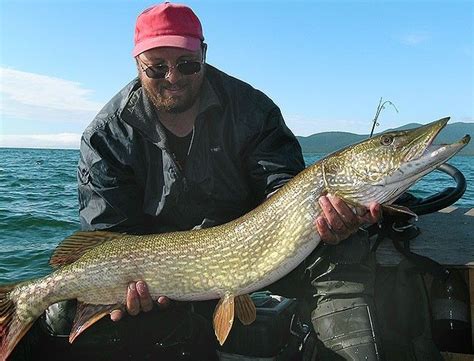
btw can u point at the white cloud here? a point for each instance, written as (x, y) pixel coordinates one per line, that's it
(464, 119)
(53, 141)
(43, 98)
(415, 38)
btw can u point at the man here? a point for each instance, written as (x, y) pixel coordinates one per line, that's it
(187, 146)
(178, 110)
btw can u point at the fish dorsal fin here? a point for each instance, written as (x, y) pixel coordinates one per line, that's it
(245, 309)
(224, 317)
(87, 315)
(73, 247)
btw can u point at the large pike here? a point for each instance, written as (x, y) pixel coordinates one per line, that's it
(226, 262)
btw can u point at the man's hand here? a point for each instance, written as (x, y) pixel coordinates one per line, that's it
(339, 221)
(139, 300)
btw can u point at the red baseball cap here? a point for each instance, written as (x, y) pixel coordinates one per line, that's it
(167, 24)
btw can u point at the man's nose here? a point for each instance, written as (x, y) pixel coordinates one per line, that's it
(173, 74)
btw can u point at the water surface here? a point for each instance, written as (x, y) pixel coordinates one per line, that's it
(38, 204)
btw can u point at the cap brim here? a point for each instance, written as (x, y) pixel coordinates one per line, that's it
(174, 41)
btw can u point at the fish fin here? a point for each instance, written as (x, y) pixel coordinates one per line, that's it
(224, 317)
(399, 211)
(245, 309)
(12, 329)
(87, 315)
(73, 247)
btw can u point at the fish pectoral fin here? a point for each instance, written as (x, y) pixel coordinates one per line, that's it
(399, 211)
(87, 315)
(224, 317)
(245, 309)
(73, 247)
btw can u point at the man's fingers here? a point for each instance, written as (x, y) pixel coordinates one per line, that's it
(163, 302)
(133, 302)
(327, 236)
(339, 221)
(332, 216)
(345, 213)
(373, 214)
(138, 299)
(116, 315)
(146, 303)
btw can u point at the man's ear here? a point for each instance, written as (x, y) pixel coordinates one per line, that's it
(138, 66)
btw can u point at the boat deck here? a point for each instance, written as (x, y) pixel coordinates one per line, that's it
(447, 237)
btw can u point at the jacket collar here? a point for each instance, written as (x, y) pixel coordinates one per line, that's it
(139, 112)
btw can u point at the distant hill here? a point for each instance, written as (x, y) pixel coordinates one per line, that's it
(327, 142)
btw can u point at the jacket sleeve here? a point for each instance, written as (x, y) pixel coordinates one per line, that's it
(274, 155)
(108, 194)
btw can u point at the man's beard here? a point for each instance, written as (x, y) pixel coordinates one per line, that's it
(171, 104)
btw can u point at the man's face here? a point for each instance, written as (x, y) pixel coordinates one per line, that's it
(175, 93)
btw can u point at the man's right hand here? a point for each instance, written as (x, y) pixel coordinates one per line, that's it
(138, 300)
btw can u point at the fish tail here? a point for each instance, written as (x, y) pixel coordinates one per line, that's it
(12, 328)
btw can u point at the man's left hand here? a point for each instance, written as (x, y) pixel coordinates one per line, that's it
(339, 221)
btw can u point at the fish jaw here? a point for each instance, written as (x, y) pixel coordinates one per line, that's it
(433, 156)
(419, 139)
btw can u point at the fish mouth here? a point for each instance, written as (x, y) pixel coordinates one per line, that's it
(434, 149)
(430, 156)
(437, 127)
(423, 156)
(424, 136)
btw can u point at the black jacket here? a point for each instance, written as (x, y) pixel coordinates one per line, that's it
(129, 180)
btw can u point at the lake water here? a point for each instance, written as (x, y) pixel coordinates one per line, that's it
(38, 205)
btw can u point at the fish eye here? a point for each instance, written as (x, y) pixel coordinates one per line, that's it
(386, 140)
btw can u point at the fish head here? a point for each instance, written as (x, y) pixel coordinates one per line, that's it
(381, 168)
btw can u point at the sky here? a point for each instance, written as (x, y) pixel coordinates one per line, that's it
(326, 64)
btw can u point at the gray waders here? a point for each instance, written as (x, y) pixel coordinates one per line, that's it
(343, 310)
(361, 311)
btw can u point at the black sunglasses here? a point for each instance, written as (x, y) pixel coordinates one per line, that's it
(162, 71)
